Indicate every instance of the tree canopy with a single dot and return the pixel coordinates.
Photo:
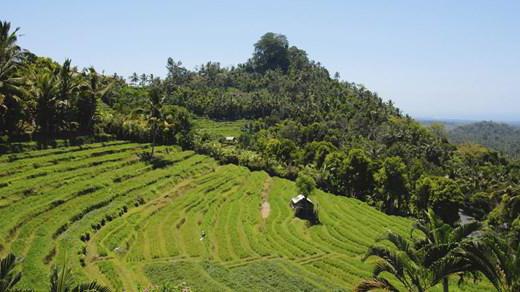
(271, 53)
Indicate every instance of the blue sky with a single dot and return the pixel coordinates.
(437, 59)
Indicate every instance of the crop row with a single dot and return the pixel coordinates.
(124, 222)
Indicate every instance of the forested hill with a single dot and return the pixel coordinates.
(498, 136)
(300, 121)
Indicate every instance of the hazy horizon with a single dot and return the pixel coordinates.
(440, 60)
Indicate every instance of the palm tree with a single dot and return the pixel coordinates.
(11, 82)
(62, 280)
(93, 91)
(425, 261)
(68, 83)
(46, 91)
(143, 78)
(10, 61)
(497, 257)
(134, 78)
(8, 276)
(68, 88)
(156, 100)
(439, 239)
(403, 261)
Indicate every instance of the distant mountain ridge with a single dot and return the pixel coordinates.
(501, 137)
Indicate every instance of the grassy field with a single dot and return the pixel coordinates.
(129, 225)
(219, 129)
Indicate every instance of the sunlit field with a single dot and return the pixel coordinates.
(131, 225)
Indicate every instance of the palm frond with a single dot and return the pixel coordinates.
(480, 258)
(61, 279)
(400, 242)
(422, 228)
(462, 231)
(8, 277)
(103, 92)
(382, 266)
(373, 284)
(90, 287)
(446, 266)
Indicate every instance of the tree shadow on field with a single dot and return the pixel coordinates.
(310, 216)
(154, 161)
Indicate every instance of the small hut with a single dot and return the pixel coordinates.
(230, 139)
(303, 208)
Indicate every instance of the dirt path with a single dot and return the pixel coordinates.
(265, 209)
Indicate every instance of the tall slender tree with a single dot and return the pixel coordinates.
(156, 99)
(68, 89)
(143, 79)
(93, 91)
(46, 91)
(134, 78)
(11, 81)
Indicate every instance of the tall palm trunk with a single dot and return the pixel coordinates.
(445, 285)
(154, 132)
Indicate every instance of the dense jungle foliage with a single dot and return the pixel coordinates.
(300, 119)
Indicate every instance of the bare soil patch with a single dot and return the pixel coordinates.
(265, 209)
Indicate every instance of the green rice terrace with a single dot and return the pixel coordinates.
(131, 225)
(219, 129)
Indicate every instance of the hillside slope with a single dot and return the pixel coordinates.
(497, 136)
(288, 114)
(128, 224)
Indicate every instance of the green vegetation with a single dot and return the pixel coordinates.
(133, 212)
(422, 263)
(126, 224)
(8, 276)
(218, 130)
(286, 113)
(305, 184)
(496, 257)
(62, 280)
(497, 136)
